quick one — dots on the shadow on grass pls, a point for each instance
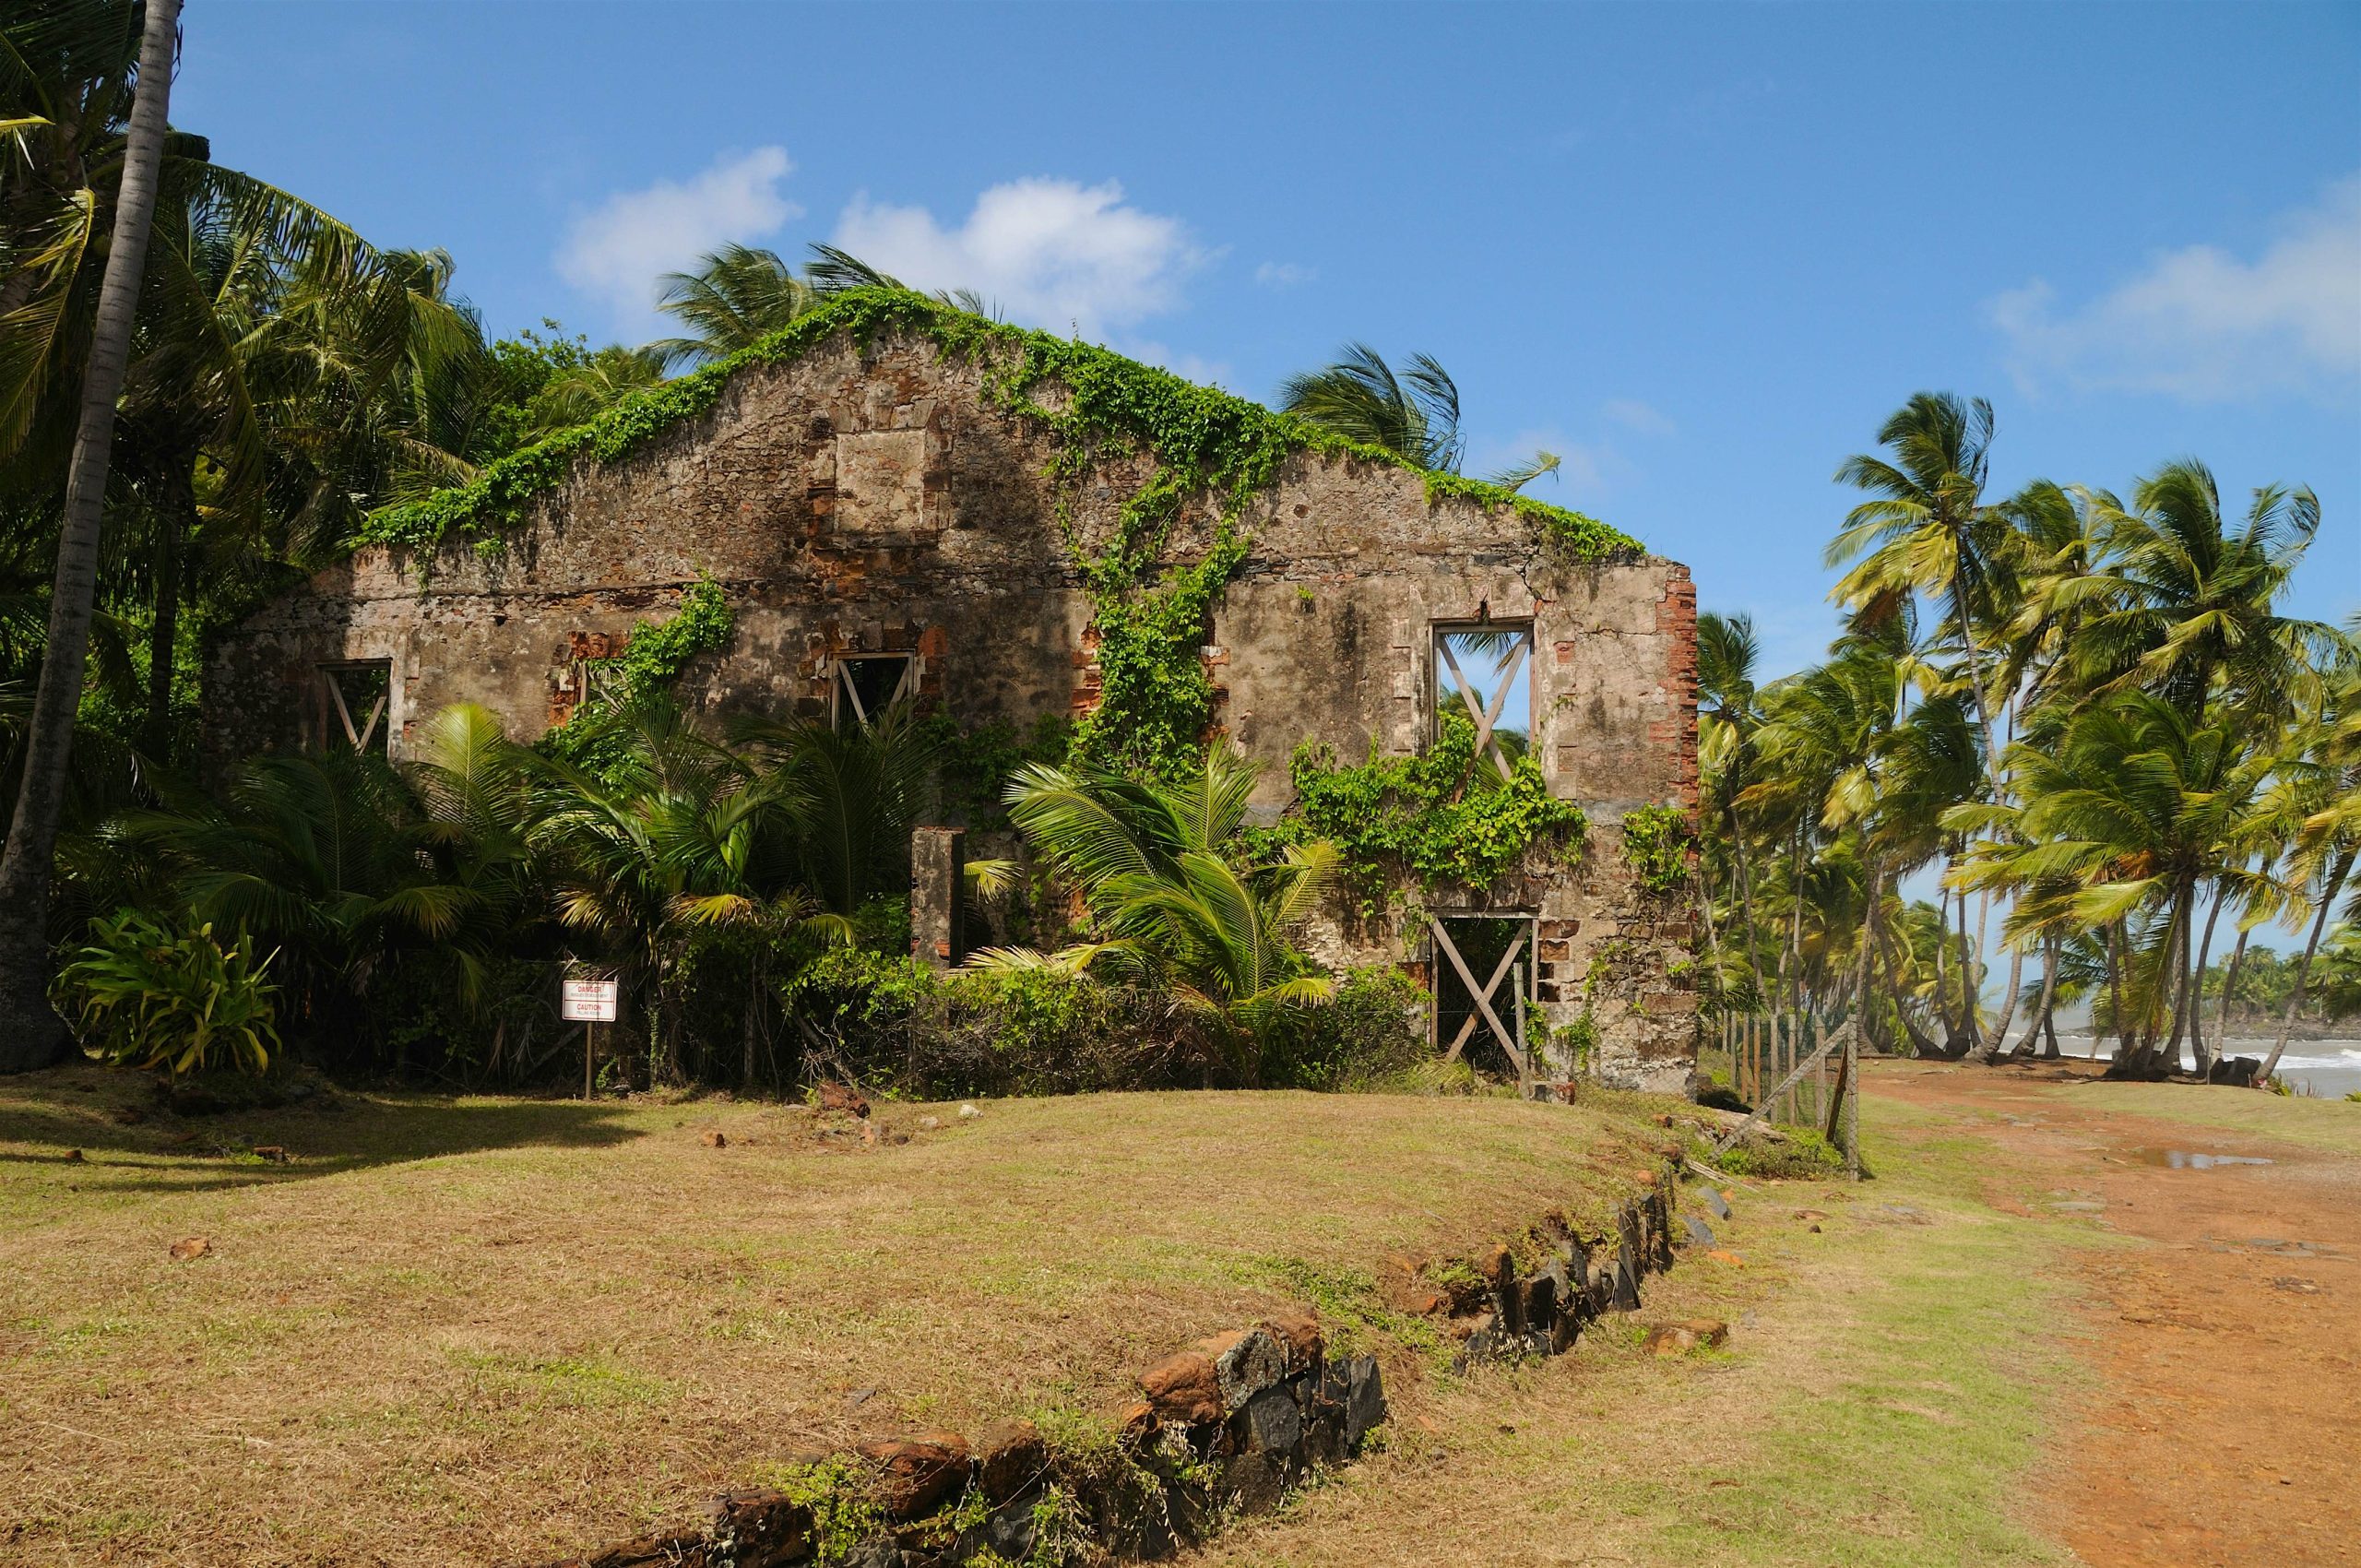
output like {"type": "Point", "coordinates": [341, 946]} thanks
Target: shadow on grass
{"type": "Point", "coordinates": [128, 1144]}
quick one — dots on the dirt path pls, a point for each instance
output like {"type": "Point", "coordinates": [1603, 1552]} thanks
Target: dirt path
{"type": "Point", "coordinates": [2222, 1421]}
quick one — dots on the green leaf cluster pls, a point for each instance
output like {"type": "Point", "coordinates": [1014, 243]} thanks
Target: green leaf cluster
{"type": "Point", "coordinates": [1444, 815]}
{"type": "Point", "coordinates": [652, 658]}
{"type": "Point", "coordinates": [148, 995]}
{"type": "Point", "coordinates": [1657, 842]}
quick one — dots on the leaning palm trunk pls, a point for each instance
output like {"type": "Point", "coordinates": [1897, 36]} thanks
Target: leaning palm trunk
{"type": "Point", "coordinates": [2329, 890]}
{"type": "Point", "coordinates": [32, 1035]}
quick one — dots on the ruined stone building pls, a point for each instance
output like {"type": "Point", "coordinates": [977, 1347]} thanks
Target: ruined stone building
{"type": "Point", "coordinates": [902, 503]}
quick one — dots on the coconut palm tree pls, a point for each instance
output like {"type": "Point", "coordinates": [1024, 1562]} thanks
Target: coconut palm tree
{"type": "Point", "coordinates": [735, 297]}
{"type": "Point", "coordinates": [1414, 414]}
{"type": "Point", "coordinates": [32, 1035]}
{"type": "Point", "coordinates": [2191, 605]}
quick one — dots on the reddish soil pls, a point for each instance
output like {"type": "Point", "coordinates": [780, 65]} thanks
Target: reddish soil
{"type": "Point", "coordinates": [2222, 1421]}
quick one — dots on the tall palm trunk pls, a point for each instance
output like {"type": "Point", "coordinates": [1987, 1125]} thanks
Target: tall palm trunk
{"type": "Point", "coordinates": [174, 531]}
{"type": "Point", "coordinates": [2116, 942]}
{"type": "Point", "coordinates": [1746, 897]}
{"type": "Point", "coordinates": [2197, 1048]}
{"type": "Point", "coordinates": [2229, 989]}
{"type": "Point", "coordinates": [2041, 1008]}
{"type": "Point", "coordinates": [32, 1035]}
{"type": "Point", "coordinates": [2329, 890]}
{"type": "Point", "coordinates": [1968, 999]}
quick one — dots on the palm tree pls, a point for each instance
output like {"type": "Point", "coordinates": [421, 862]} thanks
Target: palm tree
{"type": "Point", "coordinates": [2192, 612]}
{"type": "Point", "coordinates": [734, 298]}
{"type": "Point", "coordinates": [32, 1035]}
{"type": "Point", "coordinates": [1414, 415]}
{"type": "Point", "coordinates": [1168, 895]}
{"type": "Point", "coordinates": [1728, 714]}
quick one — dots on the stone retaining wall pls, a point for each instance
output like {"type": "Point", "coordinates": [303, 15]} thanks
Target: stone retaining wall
{"type": "Point", "coordinates": [1222, 1430]}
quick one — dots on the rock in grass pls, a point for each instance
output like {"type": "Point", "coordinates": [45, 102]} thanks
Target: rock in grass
{"type": "Point", "coordinates": [1300, 1338]}
{"type": "Point", "coordinates": [844, 1098]}
{"type": "Point", "coordinates": [1716, 1204]}
{"type": "Point", "coordinates": [1699, 1231]}
{"type": "Point", "coordinates": [1688, 1333]}
{"type": "Point", "coordinates": [1183, 1388]}
{"type": "Point", "coordinates": [918, 1471]}
{"type": "Point", "coordinates": [1010, 1457]}
{"type": "Point", "coordinates": [1246, 1361]}
{"type": "Point", "coordinates": [713, 1137]}
{"type": "Point", "coordinates": [190, 1248]}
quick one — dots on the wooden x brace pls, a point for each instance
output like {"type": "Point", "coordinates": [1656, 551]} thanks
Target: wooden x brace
{"type": "Point", "coordinates": [1482, 994]}
{"type": "Point", "coordinates": [1489, 714]}
{"type": "Point", "coordinates": [360, 736]}
{"type": "Point", "coordinates": [844, 678]}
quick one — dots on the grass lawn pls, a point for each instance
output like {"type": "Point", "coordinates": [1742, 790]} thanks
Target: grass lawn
{"type": "Point", "coordinates": [1882, 1396]}
{"type": "Point", "coordinates": [486, 1329]}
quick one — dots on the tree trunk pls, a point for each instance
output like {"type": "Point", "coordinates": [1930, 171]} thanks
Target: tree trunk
{"type": "Point", "coordinates": [2329, 890]}
{"type": "Point", "coordinates": [2229, 989]}
{"type": "Point", "coordinates": [2115, 991]}
{"type": "Point", "coordinates": [2176, 954]}
{"type": "Point", "coordinates": [174, 529]}
{"type": "Point", "coordinates": [2196, 990]}
{"type": "Point", "coordinates": [1746, 898]}
{"type": "Point", "coordinates": [1942, 965]}
{"type": "Point", "coordinates": [32, 1035]}
{"type": "Point", "coordinates": [1968, 997]}
{"type": "Point", "coordinates": [2040, 1018]}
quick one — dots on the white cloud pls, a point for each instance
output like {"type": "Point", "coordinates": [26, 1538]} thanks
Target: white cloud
{"type": "Point", "coordinates": [2202, 325]}
{"type": "Point", "coordinates": [1634, 414]}
{"type": "Point", "coordinates": [1283, 274]}
{"type": "Point", "coordinates": [616, 250]}
{"type": "Point", "coordinates": [1053, 253]}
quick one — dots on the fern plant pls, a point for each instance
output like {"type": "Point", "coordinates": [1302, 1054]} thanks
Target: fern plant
{"type": "Point", "coordinates": [149, 995]}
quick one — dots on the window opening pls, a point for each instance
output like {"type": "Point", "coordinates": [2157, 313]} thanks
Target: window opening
{"type": "Point", "coordinates": [355, 696]}
{"type": "Point", "coordinates": [868, 684]}
{"type": "Point", "coordinates": [1484, 977]}
{"type": "Point", "coordinates": [1477, 671]}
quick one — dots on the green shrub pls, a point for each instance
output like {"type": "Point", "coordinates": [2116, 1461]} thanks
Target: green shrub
{"type": "Point", "coordinates": [1367, 1037]}
{"type": "Point", "coordinates": [149, 995]}
{"type": "Point", "coordinates": [1442, 815]}
{"type": "Point", "coordinates": [893, 1022]}
{"type": "Point", "coordinates": [1656, 841]}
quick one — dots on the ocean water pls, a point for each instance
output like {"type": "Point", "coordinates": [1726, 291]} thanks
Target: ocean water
{"type": "Point", "coordinates": [2328, 1068]}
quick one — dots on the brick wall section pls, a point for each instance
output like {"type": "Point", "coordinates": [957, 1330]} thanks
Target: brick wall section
{"type": "Point", "coordinates": [881, 501]}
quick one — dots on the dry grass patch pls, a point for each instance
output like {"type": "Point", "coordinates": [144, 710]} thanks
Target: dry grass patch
{"type": "Point", "coordinates": [483, 1329]}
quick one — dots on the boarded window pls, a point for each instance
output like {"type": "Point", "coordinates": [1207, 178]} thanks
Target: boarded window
{"type": "Point", "coordinates": [1483, 979]}
{"type": "Point", "coordinates": [351, 704]}
{"type": "Point", "coordinates": [1484, 674]}
{"type": "Point", "coordinates": [868, 684]}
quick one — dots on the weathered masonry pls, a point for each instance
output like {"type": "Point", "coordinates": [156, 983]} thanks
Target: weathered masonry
{"type": "Point", "coordinates": [895, 509]}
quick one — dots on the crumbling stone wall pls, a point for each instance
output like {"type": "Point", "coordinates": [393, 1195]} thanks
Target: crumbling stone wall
{"type": "Point", "coordinates": [881, 502]}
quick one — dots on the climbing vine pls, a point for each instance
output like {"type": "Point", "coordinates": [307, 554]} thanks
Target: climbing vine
{"type": "Point", "coordinates": [652, 658]}
{"type": "Point", "coordinates": [1208, 453]}
{"type": "Point", "coordinates": [1444, 815]}
{"type": "Point", "coordinates": [1656, 841]}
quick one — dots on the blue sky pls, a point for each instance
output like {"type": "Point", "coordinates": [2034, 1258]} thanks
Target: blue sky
{"type": "Point", "coordinates": [1701, 251]}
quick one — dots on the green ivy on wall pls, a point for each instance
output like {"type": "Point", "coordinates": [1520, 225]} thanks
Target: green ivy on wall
{"type": "Point", "coordinates": [652, 658]}
{"type": "Point", "coordinates": [1656, 841]}
{"type": "Point", "coordinates": [1443, 817]}
{"type": "Point", "coordinates": [1209, 452]}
